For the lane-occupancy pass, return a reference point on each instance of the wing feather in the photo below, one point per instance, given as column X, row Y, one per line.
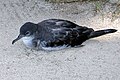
column 59, row 32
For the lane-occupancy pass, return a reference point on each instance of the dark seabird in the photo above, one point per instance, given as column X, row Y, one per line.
column 55, row 34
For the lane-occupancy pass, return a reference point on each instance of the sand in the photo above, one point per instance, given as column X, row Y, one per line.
column 98, row 59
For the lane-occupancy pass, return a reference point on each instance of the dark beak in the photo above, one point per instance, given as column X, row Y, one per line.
column 18, row 38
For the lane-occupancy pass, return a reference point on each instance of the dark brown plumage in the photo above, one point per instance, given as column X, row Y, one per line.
column 57, row 33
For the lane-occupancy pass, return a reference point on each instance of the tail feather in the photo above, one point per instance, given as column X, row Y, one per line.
column 101, row 32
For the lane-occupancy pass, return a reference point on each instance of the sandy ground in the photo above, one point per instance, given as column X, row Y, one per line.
column 99, row 59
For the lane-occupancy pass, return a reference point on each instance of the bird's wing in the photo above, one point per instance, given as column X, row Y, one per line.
column 57, row 31
column 70, row 33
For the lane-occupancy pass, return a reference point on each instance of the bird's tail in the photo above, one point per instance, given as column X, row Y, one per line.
column 101, row 32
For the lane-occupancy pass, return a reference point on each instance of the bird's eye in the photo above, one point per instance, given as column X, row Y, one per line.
column 27, row 33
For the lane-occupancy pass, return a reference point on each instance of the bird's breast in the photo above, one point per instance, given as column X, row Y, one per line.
column 28, row 41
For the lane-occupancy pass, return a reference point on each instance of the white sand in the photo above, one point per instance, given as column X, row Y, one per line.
column 99, row 59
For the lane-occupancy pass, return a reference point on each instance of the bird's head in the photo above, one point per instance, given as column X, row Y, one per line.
column 26, row 30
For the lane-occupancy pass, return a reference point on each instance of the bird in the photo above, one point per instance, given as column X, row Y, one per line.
column 56, row 34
